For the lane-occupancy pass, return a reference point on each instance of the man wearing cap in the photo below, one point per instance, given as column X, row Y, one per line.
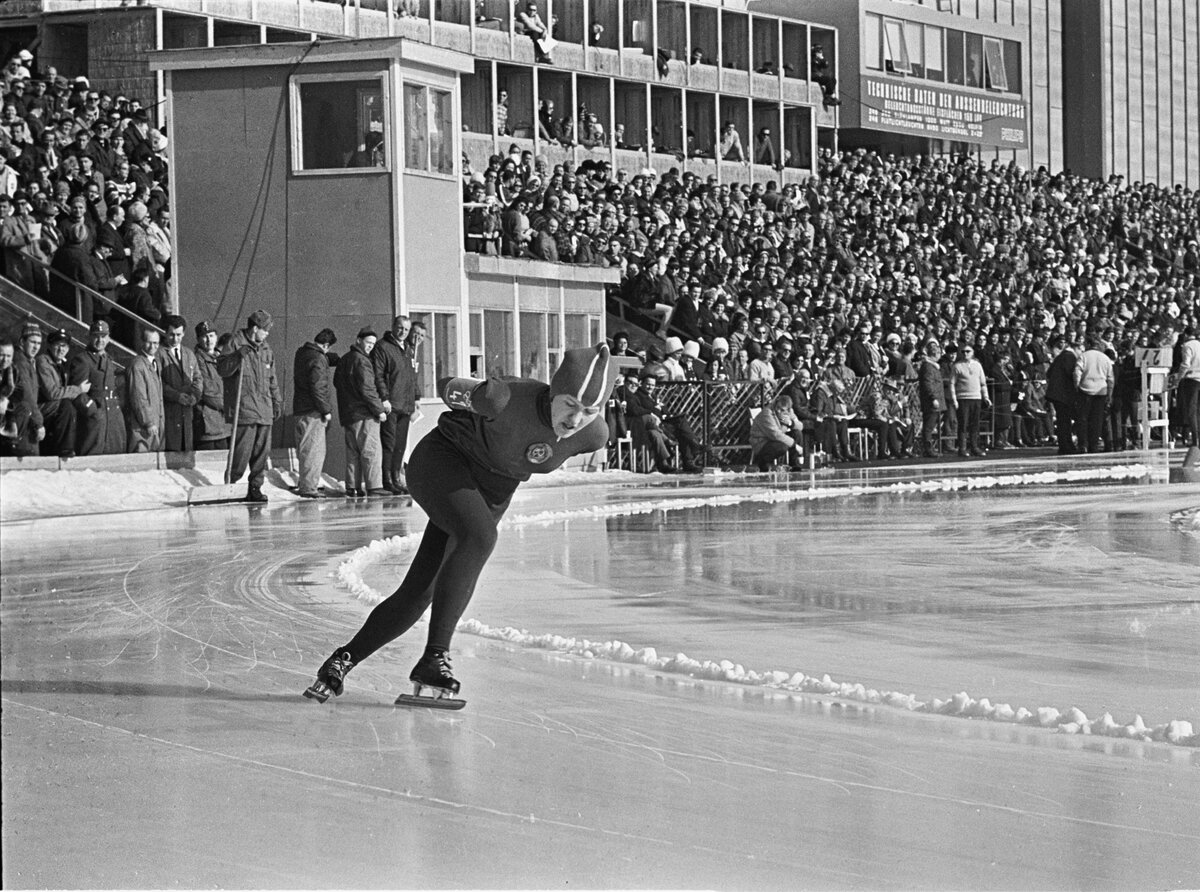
column 211, row 429
column 361, row 411
column 144, row 397
column 59, row 400
column 102, row 427
column 396, row 382
column 312, row 408
column 26, row 398
column 182, row 387
column 252, row 397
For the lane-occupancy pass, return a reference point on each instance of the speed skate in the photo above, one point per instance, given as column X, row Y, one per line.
column 439, row 699
column 432, row 673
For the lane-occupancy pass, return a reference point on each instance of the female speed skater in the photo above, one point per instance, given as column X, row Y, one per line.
column 463, row 473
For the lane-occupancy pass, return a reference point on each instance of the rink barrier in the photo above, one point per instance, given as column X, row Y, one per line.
column 1073, row 720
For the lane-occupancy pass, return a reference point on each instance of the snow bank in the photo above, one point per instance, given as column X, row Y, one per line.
column 1071, row 721
column 30, row 495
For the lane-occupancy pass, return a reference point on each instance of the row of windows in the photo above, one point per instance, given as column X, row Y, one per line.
column 342, row 124
column 493, row 343
column 941, row 54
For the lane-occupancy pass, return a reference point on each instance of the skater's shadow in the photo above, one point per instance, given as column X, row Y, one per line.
column 143, row 689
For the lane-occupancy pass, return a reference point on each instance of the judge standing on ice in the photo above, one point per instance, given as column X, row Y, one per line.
column 497, row 434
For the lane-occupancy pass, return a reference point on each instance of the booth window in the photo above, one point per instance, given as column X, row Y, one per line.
column 341, row 123
column 428, row 129
column 438, row 356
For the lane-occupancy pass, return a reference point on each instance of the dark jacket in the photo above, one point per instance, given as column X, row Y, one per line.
column 1060, row 379
column 26, row 396
column 209, row 412
column 180, row 378
column 685, row 321
column 395, row 376
column 311, row 380
column 858, row 358
column 261, row 402
column 930, row 386
column 801, row 402
column 354, row 380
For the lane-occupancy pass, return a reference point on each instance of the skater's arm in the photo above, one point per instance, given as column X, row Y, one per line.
column 487, row 398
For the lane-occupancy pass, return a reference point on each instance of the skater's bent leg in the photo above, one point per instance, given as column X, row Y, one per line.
column 471, row 523
column 395, row 615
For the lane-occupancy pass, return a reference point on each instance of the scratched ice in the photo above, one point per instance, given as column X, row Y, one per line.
column 882, row 683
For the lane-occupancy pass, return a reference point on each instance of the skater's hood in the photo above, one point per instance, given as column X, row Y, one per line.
column 586, row 374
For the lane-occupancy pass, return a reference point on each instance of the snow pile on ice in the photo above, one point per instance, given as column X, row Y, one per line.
column 816, row 493
column 1073, row 721
column 1187, row 521
column 962, row 704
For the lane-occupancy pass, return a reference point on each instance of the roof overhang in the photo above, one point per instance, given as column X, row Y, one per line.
column 317, row 51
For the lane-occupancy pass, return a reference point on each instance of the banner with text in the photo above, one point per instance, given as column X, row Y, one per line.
column 941, row 112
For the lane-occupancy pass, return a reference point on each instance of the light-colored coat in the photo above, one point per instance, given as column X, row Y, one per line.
column 143, row 404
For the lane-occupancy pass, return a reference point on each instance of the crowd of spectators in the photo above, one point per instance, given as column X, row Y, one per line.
column 876, row 268
column 83, row 198
column 220, row 394
column 855, row 273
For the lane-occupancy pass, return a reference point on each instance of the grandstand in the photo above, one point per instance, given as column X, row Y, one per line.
column 889, row 161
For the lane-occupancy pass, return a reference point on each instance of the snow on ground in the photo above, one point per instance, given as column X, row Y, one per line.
column 29, row 495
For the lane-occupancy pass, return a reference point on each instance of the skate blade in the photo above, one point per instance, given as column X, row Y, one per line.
column 318, row 691
column 430, row 702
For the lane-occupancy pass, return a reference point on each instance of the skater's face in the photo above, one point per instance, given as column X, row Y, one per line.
column 568, row 415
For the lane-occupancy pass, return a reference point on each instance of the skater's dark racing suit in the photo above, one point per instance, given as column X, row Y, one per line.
column 464, row 472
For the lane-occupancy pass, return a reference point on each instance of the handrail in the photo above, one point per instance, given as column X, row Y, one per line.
column 42, row 315
column 81, row 289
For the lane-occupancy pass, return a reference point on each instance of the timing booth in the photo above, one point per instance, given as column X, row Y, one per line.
column 323, row 182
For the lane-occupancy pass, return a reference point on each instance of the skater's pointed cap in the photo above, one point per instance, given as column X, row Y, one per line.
column 586, row 374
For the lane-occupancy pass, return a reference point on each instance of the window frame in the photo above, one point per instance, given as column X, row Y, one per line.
column 873, row 25
column 886, row 46
column 296, row 81
column 428, row 365
column 449, row 132
column 994, row 46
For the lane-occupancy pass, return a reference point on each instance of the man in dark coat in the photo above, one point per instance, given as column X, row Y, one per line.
column 312, row 406
column 102, row 429
column 932, row 394
column 361, row 411
column 252, row 395
column 396, row 383
column 182, row 387
column 858, row 353
column 1062, row 392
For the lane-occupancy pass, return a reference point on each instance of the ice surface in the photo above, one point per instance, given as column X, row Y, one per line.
column 696, row 684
